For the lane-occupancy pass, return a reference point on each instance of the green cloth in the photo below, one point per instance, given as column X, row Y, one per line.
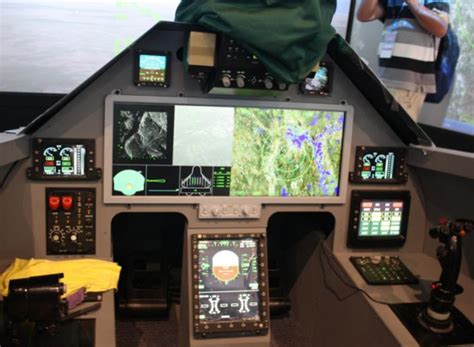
column 289, row 37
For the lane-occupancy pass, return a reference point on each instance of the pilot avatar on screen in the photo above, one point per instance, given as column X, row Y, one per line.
column 228, row 281
column 229, row 271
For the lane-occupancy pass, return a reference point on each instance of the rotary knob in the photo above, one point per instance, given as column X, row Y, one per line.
column 246, row 211
column 375, row 259
column 240, row 80
column 268, row 83
column 56, row 235
column 226, row 82
column 215, row 211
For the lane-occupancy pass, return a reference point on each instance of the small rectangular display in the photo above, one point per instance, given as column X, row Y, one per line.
column 379, row 165
column 229, row 284
column 63, row 159
column 152, row 69
column 318, row 82
column 228, row 280
column 380, row 218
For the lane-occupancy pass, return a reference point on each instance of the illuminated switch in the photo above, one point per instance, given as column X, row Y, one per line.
column 66, row 202
column 54, row 202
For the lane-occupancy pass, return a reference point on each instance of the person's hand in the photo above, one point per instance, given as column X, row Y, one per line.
column 412, row 2
column 430, row 20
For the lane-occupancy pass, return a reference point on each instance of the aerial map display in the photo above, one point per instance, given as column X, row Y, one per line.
column 286, row 152
column 142, row 135
column 225, row 151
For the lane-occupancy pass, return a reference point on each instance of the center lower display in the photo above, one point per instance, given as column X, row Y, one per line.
column 228, row 280
column 229, row 286
column 168, row 150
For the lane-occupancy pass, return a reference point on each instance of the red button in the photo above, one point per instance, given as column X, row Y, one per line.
column 66, row 201
column 54, row 202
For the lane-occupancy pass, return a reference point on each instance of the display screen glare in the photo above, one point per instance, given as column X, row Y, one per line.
column 228, row 286
column 152, row 68
column 226, row 151
column 317, row 82
column 380, row 218
column 64, row 160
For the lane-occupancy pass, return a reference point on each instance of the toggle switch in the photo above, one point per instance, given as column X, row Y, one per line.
column 66, row 202
column 54, row 202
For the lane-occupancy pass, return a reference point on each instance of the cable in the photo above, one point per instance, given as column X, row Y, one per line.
column 336, row 272
column 327, row 285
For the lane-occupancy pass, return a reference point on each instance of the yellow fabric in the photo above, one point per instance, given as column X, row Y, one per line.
column 95, row 275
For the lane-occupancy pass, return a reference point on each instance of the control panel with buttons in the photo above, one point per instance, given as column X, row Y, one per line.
column 383, row 270
column 234, row 70
column 237, row 68
column 229, row 211
column 70, row 221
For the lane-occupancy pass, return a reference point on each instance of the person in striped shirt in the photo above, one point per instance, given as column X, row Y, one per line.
column 409, row 46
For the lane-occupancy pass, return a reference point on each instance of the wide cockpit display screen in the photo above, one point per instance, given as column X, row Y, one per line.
column 229, row 283
column 194, row 150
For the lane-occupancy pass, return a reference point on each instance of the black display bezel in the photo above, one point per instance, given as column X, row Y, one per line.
column 35, row 172
column 325, row 91
column 136, row 77
column 399, row 174
column 234, row 328
column 356, row 241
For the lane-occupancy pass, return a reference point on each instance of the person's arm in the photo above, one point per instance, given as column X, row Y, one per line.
column 431, row 21
column 370, row 10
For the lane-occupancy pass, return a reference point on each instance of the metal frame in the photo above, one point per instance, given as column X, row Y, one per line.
column 108, row 151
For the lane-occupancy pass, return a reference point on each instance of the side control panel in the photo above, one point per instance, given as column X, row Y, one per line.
column 229, row 211
column 70, row 221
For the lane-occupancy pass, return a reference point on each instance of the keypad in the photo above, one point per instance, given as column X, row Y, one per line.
column 383, row 270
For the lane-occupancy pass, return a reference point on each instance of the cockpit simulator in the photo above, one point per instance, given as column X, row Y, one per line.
column 244, row 210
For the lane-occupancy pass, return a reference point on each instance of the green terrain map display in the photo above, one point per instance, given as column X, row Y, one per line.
column 286, row 152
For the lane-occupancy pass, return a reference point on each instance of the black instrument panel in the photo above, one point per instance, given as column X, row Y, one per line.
column 63, row 159
column 70, row 221
column 378, row 219
column 379, row 165
column 152, row 68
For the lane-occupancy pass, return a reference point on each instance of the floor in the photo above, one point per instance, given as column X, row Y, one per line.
column 149, row 333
